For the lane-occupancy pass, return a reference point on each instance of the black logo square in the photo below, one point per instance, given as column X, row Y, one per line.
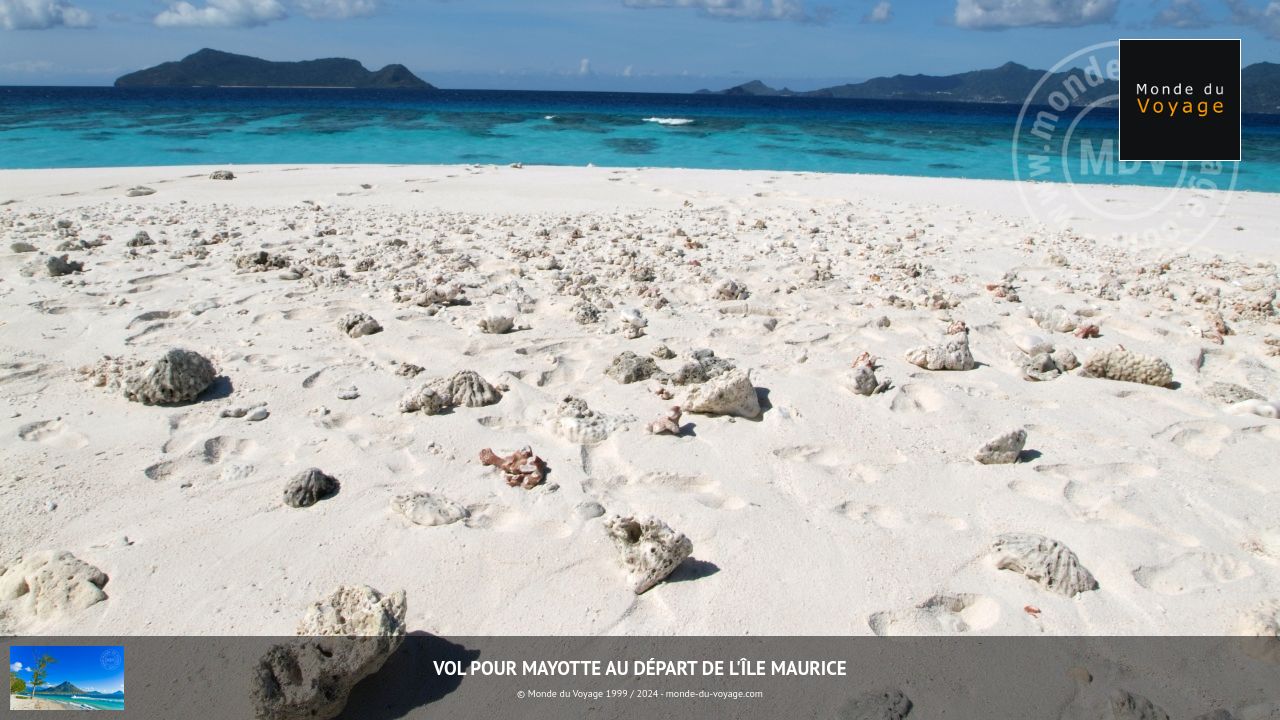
column 1180, row 100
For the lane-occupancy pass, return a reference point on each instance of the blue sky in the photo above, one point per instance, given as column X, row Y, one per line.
column 636, row 45
column 82, row 666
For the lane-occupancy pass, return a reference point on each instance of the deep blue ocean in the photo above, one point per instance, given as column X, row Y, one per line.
column 93, row 127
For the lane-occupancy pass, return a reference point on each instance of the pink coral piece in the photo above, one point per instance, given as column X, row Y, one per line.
column 957, row 327
column 669, row 425
column 522, row 468
column 866, row 358
column 1085, row 332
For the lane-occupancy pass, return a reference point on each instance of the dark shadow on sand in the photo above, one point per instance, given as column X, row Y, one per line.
column 408, row 679
column 693, row 569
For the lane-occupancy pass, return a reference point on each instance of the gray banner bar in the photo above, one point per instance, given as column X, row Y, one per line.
column 211, row 678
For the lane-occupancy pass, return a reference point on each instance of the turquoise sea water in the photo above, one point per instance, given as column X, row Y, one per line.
column 94, row 127
column 88, row 703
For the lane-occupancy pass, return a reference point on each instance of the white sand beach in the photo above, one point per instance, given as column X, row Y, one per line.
column 17, row 702
column 832, row 512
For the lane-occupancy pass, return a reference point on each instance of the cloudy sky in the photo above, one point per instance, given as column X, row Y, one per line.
column 639, row 45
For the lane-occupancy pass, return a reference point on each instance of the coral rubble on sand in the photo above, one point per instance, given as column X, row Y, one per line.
column 650, row 550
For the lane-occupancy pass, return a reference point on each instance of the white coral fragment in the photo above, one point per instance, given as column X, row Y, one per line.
column 730, row 393
column 1045, row 561
column 650, row 549
column 1127, row 366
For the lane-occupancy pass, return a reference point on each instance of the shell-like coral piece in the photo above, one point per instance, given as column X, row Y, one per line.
column 424, row 400
column 951, row 354
column 465, row 388
column 358, row 324
column 1048, row 562
column 49, row 584
column 1004, row 449
column 728, row 394
column 522, row 468
column 342, row 639
column 177, row 376
column 1128, row 366
column 650, row 549
column 429, row 509
column 1260, row 629
column 628, row 367
column 310, row 487
column 668, row 424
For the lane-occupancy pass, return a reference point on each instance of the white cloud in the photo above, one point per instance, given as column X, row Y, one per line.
column 997, row 14
column 41, row 15
column 1267, row 20
column 738, row 9
column 222, row 14
column 27, row 66
column 15, row 667
column 337, row 9
column 584, row 67
column 1182, row 14
column 881, row 13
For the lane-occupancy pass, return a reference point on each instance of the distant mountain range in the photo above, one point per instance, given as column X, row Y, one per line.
column 68, row 688
column 213, row 68
column 1009, row 84
column 62, row 688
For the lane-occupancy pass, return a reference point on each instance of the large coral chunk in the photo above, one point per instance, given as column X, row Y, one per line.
column 178, row 376
column 1003, row 450
column 650, row 549
column 628, row 367
column 344, row 638
column 728, row 394
column 358, row 324
column 465, row 388
column 48, row 585
column 951, row 354
column 702, row 366
column 1047, row 562
column 576, row 422
column 310, row 487
column 1128, row 366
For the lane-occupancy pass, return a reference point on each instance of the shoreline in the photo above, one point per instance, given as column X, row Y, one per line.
column 17, row 702
column 1246, row 226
